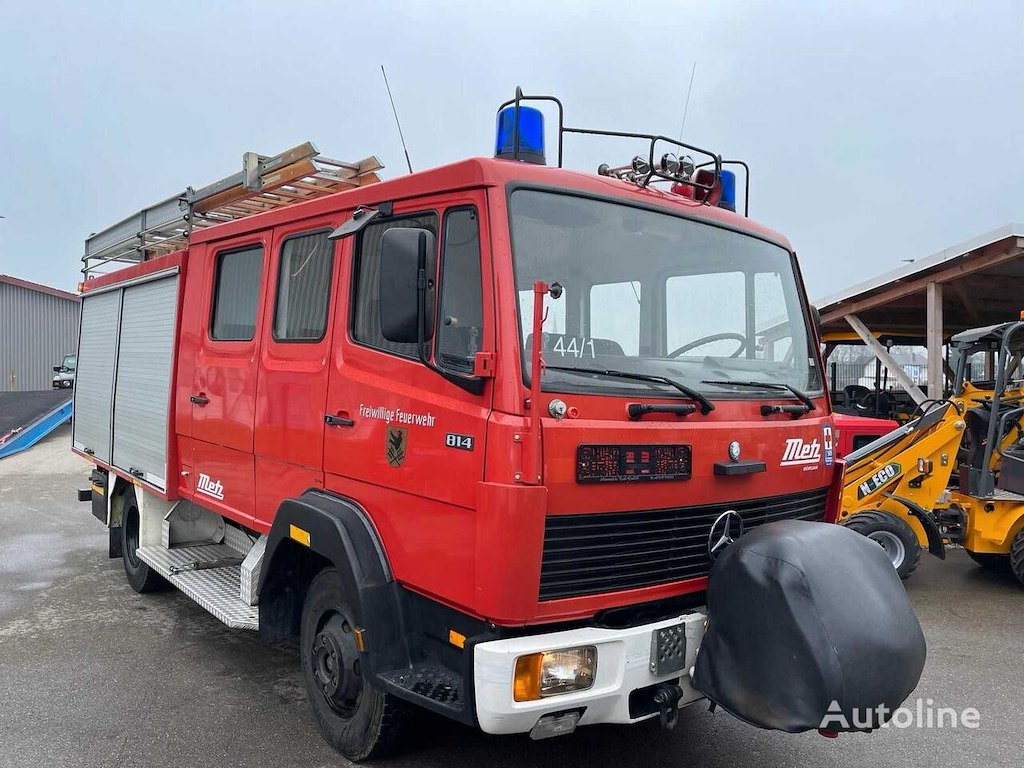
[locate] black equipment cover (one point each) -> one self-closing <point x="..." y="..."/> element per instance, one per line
<point x="808" y="627"/>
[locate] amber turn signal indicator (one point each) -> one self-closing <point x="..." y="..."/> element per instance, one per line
<point x="526" y="684"/>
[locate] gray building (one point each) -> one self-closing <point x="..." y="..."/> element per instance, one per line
<point x="38" y="326"/>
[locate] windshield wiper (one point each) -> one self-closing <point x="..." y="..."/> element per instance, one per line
<point x="806" y="407"/>
<point x="706" y="406"/>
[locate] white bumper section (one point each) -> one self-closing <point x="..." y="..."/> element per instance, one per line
<point x="623" y="665"/>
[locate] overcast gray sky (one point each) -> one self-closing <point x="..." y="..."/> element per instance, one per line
<point x="876" y="131"/>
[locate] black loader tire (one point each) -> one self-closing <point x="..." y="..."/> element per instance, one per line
<point x="358" y="719"/>
<point x="992" y="562"/>
<point x="140" y="576"/>
<point x="893" y="534"/>
<point x="1017" y="556"/>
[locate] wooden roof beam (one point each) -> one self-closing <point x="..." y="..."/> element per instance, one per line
<point x="976" y="261"/>
<point x="968" y="304"/>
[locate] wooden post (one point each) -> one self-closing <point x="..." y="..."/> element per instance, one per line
<point x="936" y="380"/>
<point x="880" y="352"/>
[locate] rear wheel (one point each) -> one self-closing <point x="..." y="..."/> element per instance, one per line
<point x="1017" y="556"/>
<point x="893" y="535"/>
<point x="141" y="577"/>
<point x="355" y="718"/>
<point x="992" y="562"/>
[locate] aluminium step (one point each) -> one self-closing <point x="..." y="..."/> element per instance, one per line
<point x="217" y="590"/>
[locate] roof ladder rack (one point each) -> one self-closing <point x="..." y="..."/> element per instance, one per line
<point x="264" y="184"/>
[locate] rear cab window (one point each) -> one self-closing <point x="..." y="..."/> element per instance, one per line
<point x="236" y="294"/>
<point x="303" y="287"/>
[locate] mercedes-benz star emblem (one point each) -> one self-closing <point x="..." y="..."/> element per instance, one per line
<point x="734" y="450"/>
<point x="724" y="531"/>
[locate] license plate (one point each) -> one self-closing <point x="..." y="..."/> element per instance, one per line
<point x="668" y="649"/>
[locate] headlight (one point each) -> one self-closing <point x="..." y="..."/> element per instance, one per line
<point x="551" y="673"/>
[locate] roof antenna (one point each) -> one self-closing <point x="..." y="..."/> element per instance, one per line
<point x="686" y="107"/>
<point x="397" y="122"/>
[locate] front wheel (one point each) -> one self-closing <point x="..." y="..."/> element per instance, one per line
<point x="893" y="535"/>
<point x="355" y="718"/>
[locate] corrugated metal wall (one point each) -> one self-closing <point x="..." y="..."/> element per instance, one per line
<point x="36" y="331"/>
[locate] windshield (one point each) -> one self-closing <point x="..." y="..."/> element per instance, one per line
<point x="69" y="362"/>
<point x="651" y="293"/>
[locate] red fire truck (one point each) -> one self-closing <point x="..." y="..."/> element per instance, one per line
<point x="472" y="435"/>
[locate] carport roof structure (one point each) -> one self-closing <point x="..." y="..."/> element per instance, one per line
<point x="976" y="283"/>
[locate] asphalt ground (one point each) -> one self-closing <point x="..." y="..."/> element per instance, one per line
<point x="92" y="674"/>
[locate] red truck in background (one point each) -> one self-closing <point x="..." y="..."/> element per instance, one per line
<point x="472" y="435"/>
<point x="853" y="432"/>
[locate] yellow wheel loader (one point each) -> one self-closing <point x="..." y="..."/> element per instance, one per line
<point x="955" y="473"/>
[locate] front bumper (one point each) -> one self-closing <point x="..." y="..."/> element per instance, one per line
<point x="623" y="666"/>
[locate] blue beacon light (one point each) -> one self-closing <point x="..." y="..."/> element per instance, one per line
<point x="531" y="135"/>
<point x="728" y="183"/>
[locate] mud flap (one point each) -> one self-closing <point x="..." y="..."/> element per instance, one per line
<point x="931" y="528"/>
<point x="809" y="628"/>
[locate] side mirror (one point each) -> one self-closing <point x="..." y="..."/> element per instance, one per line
<point x="405" y="290"/>
<point x="57" y="369"/>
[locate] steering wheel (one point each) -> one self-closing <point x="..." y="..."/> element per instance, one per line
<point x="712" y="338"/>
<point x="868" y="401"/>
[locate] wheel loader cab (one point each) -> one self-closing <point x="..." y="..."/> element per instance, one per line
<point x="993" y="423"/>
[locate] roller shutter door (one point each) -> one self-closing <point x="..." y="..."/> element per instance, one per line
<point x="143" y="384"/>
<point x="94" y="378"/>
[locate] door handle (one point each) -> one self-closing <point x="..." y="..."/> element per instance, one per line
<point x="333" y="420"/>
<point x="200" y="399"/>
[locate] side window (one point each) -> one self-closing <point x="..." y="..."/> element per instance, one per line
<point x="236" y="294"/>
<point x="303" y="287"/>
<point x="365" y="303"/>
<point x="615" y="317"/>
<point x="461" y="320"/>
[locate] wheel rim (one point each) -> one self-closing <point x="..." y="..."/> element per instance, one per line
<point x="131" y="538"/>
<point x="336" y="664"/>
<point x="892" y="544"/>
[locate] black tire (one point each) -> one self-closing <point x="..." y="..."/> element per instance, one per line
<point x="141" y="577"/>
<point x="893" y="534"/>
<point x="992" y="562"/>
<point x="1017" y="556"/>
<point x="356" y="718"/>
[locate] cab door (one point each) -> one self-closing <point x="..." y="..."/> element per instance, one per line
<point x="224" y="382"/>
<point x="292" y="385"/>
<point x="404" y="438"/>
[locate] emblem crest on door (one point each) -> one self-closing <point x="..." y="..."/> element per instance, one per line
<point x="394" y="450"/>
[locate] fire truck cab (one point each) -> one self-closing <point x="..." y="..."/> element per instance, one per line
<point x="473" y="435"/>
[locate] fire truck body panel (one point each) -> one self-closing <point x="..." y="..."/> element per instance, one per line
<point x="292" y="418"/>
<point x="116" y="430"/>
<point x="250" y="427"/>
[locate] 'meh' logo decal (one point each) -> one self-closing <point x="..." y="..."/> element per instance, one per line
<point x="210" y="487"/>
<point x="799" y="451"/>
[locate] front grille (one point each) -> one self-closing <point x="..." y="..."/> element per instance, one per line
<point x="611" y="551"/>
